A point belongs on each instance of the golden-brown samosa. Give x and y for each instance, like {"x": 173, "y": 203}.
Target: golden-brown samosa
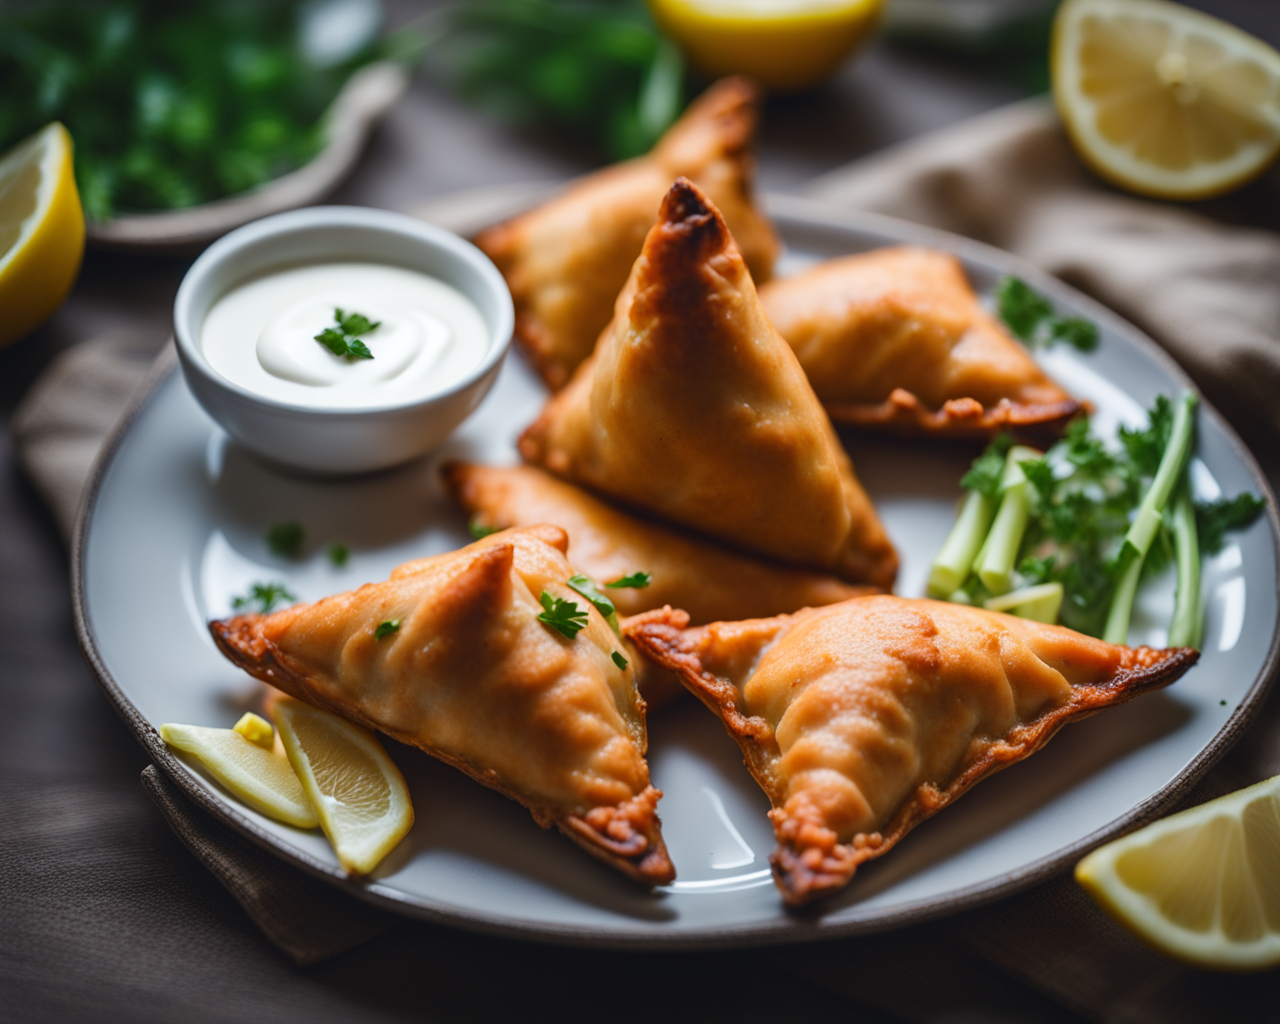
{"x": 566, "y": 261}
{"x": 693, "y": 409}
{"x": 705, "y": 579}
{"x": 467, "y": 672}
{"x": 896, "y": 339}
{"x": 861, "y": 719}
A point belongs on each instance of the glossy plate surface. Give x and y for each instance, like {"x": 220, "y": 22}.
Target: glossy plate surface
{"x": 174, "y": 529}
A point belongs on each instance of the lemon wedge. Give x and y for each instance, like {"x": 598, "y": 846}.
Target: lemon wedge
{"x": 261, "y": 779}
{"x": 357, "y": 791}
{"x": 1163, "y": 100}
{"x": 1202, "y": 885}
{"x": 41, "y": 230}
{"x": 787, "y": 45}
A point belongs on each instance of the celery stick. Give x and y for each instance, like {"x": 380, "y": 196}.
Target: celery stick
{"x": 1184, "y": 629}
{"x": 1041, "y": 602}
{"x": 1137, "y": 541}
{"x": 952, "y": 564}
{"x": 999, "y": 552}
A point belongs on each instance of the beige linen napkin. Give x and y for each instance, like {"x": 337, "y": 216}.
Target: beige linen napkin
{"x": 1207, "y": 291}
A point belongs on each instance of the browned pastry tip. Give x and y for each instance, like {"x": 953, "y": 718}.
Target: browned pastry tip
{"x": 627, "y": 836}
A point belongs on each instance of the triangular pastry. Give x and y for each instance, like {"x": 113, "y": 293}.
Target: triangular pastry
{"x": 693, "y": 409}
{"x": 896, "y": 339}
{"x": 468, "y": 673}
{"x": 861, "y": 719}
{"x": 707, "y": 580}
{"x": 566, "y": 261}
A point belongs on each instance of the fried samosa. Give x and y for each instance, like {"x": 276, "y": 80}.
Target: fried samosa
{"x": 566, "y": 261}
{"x": 706, "y": 580}
{"x": 861, "y": 719}
{"x": 896, "y": 339}
{"x": 449, "y": 655}
{"x": 693, "y": 409}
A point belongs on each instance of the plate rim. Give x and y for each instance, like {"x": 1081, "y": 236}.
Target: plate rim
{"x": 803, "y": 213}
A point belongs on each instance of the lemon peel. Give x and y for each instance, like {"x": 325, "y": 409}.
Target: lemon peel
{"x": 1202, "y": 885}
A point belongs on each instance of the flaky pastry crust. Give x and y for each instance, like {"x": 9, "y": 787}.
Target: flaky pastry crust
{"x": 566, "y": 261}
{"x": 862, "y": 719}
{"x": 895, "y": 339}
{"x": 473, "y": 678}
{"x": 693, "y": 409}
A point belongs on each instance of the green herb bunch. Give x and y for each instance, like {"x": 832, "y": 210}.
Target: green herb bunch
{"x": 169, "y": 104}
{"x": 598, "y": 68}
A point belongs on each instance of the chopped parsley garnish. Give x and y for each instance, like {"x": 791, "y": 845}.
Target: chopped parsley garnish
{"x": 637, "y": 580}
{"x": 619, "y": 660}
{"x": 1029, "y": 315}
{"x": 343, "y": 339}
{"x": 338, "y": 554}
{"x": 480, "y": 530}
{"x": 1215, "y": 518}
{"x": 264, "y": 596}
{"x": 286, "y": 539}
{"x": 584, "y": 586}
{"x": 386, "y": 628}
{"x": 984, "y": 475}
{"x": 562, "y": 615}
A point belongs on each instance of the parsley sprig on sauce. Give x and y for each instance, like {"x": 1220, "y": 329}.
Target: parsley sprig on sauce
{"x": 344, "y": 340}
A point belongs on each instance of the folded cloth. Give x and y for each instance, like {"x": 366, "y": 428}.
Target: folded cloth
{"x": 1203, "y": 289}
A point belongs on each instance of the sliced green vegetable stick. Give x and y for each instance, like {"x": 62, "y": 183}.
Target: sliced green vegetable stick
{"x": 952, "y": 564}
{"x": 999, "y": 553}
{"x": 1184, "y": 629}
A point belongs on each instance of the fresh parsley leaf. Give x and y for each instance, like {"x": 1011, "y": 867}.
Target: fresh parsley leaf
{"x": 637, "y": 580}
{"x": 1029, "y": 315}
{"x": 619, "y": 660}
{"x": 1077, "y": 332}
{"x": 562, "y": 615}
{"x": 386, "y": 628}
{"x": 338, "y": 554}
{"x": 1021, "y": 308}
{"x": 286, "y": 539}
{"x": 354, "y": 323}
{"x": 1215, "y": 518}
{"x": 1146, "y": 447}
{"x": 479, "y": 529}
{"x": 264, "y": 596}
{"x": 984, "y": 475}
{"x": 333, "y": 341}
{"x": 584, "y": 586}
{"x": 1036, "y": 570}
{"x": 342, "y": 340}
{"x": 1040, "y": 474}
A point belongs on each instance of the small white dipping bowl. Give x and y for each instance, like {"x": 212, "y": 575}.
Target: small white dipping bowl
{"x": 339, "y": 440}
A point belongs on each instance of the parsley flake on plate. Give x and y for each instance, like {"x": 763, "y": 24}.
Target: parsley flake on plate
{"x": 286, "y": 539}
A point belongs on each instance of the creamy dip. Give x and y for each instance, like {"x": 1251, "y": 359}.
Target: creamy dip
{"x": 262, "y": 335}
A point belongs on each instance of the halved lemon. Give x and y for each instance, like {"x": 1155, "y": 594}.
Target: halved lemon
{"x": 41, "y": 230}
{"x": 1164, "y": 100}
{"x": 1202, "y": 885}
{"x": 260, "y": 778}
{"x": 357, "y": 791}
{"x": 787, "y": 45}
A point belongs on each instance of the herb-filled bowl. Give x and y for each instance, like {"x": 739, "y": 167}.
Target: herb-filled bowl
{"x": 341, "y": 339}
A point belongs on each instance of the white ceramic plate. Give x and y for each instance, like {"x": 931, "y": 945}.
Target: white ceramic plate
{"x": 173, "y": 528}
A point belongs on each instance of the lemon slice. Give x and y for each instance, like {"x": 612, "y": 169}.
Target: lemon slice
{"x": 1202, "y": 885}
{"x": 41, "y": 230}
{"x": 357, "y": 791}
{"x": 1164, "y": 100}
{"x": 260, "y": 778}
{"x": 787, "y": 45}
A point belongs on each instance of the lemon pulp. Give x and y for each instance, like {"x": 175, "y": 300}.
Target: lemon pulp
{"x": 1202, "y": 885}
{"x": 356, "y": 790}
{"x": 41, "y": 230}
{"x": 1165, "y": 100}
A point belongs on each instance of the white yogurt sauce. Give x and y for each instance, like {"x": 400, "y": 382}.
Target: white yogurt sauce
{"x": 261, "y": 335}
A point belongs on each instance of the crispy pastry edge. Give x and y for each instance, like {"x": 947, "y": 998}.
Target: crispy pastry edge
{"x": 646, "y": 862}
{"x": 659, "y": 635}
{"x": 904, "y": 413}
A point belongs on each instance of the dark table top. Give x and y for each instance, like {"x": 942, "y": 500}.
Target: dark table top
{"x": 105, "y": 915}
